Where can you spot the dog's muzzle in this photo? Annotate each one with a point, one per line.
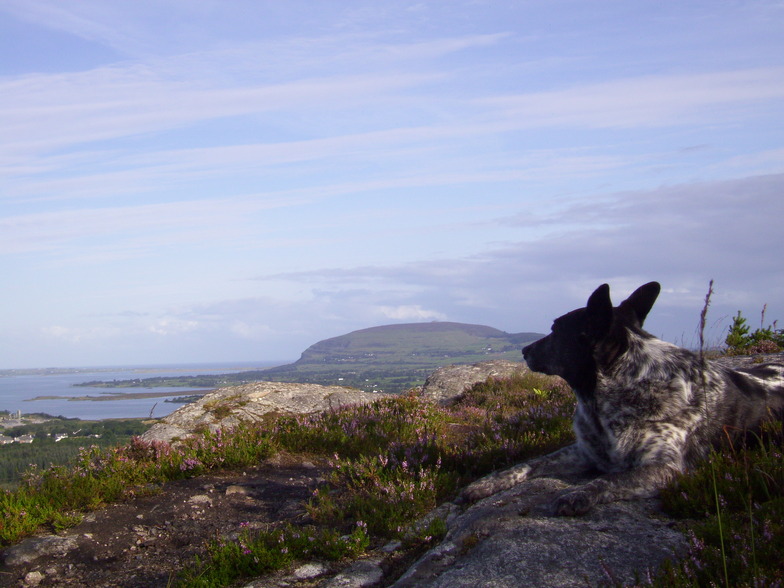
(532, 356)
(527, 354)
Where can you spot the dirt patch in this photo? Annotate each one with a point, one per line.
(145, 541)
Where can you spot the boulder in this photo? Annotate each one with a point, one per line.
(35, 547)
(228, 407)
(449, 382)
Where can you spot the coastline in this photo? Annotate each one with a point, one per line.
(123, 396)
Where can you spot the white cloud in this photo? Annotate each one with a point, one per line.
(251, 331)
(173, 326)
(410, 312)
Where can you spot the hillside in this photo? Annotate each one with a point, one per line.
(392, 358)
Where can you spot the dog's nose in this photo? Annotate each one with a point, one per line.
(526, 350)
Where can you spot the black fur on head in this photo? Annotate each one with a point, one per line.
(591, 338)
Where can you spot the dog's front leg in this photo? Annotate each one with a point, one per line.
(568, 460)
(642, 482)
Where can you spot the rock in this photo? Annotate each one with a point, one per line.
(33, 578)
(364, 572)
(511, 540)
(449, 382)
(310, 570)
(34, 547)
(746, 361)
(200, 499)
(228, 407)
(236, 489)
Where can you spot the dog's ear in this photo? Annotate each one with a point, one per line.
(639, 304)
(599, 312)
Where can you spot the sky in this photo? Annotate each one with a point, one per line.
(235, 180)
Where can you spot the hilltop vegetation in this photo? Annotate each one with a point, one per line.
(393, 461)
(392, 358)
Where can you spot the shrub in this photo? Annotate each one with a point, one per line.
(740, 341)
(415, 454)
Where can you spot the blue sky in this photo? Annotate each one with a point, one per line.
(236, 180)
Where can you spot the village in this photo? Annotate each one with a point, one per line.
(10, 420)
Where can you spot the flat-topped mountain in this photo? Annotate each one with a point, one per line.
(409, 343)
(394, 358)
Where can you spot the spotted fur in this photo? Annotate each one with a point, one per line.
(646, 409)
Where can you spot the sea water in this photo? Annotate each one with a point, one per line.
(19, 388)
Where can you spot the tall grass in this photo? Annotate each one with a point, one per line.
(734, 505)
(748, 484)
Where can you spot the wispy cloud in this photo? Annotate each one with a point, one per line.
(179, 177)
(682, 235)
(646, 101)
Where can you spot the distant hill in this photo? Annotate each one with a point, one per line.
(392, 358)
(411, 343)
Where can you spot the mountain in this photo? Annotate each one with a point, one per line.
(394, 358)
(391, 358)
(413, 343)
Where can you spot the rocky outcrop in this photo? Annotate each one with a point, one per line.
(512, 539)
(446, 383)
(227, 407)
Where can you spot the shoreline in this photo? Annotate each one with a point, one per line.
(123, 396)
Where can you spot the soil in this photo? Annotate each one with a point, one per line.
(145, 541)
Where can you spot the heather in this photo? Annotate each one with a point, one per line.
(393, 461)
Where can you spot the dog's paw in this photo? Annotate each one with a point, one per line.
(573, 503)
(495, 483)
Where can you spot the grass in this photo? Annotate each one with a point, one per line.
(396, 459)
(749, 484)
(254, 553)
(56, 497)
(734, 501)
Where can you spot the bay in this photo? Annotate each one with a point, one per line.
(18, 388)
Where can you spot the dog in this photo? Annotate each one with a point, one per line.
(647, 410)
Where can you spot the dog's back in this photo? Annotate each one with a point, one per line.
(750, 396)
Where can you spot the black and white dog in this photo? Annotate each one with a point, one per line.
(646, 409)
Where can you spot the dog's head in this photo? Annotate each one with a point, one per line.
(588, 338)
